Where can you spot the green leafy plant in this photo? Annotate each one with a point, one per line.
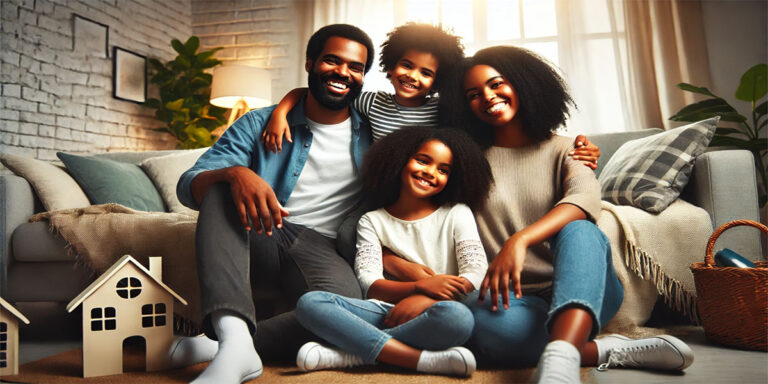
(185, 90)
(746, 133)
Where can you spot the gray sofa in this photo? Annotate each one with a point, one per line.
(40, 277)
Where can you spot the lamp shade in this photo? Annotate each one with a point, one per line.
(234, 82)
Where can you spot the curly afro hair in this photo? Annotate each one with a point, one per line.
(445, 47)
(541, 91)
(469, 181)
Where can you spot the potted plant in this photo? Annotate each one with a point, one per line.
(185, 90)
(746, 133)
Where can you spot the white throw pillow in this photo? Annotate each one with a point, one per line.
(54, 186)
(165, 172)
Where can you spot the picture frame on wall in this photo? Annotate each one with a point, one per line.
(90, 37)
(129, 75)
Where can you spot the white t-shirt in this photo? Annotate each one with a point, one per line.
(328, 188)
(445, 241)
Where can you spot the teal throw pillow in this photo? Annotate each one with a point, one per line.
(109, 181)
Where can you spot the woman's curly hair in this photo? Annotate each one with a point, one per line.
(445, 47)
(469, 180)
(542, 94)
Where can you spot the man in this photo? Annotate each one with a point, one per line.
(268, 218)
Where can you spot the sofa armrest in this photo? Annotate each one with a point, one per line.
(724, 183)
(17, 204)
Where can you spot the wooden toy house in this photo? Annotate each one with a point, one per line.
(9, 338)
(127, 300)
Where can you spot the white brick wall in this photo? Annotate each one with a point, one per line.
(54, 99)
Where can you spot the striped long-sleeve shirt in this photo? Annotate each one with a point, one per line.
(386, 116)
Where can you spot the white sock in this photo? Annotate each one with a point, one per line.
(457, 361)
(187, 351)
(560, 363)
(236, 360)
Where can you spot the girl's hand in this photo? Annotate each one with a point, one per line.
(407, 309)
(402, 269)
(273, 134)
(585, 151)
(503, 270)
(442, 287)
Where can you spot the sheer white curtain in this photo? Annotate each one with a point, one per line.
(621, 58)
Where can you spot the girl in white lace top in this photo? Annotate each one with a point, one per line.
(426, 182)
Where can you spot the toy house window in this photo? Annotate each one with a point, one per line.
(153, 315)
(3, 344)
(128, 287)
(103, 319)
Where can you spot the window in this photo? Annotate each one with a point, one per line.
(128, 287)
(3, 345)
(583, 38)
(103, 319)
(153, 315)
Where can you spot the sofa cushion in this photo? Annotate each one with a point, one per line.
(33, 242)
(108, 181)
(649, 173)
(46, 281)
(165, 172)
(53, 185)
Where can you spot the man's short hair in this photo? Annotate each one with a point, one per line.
(347, 31)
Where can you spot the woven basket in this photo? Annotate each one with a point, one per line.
(733, 302)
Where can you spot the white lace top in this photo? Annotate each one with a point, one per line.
(446, 241)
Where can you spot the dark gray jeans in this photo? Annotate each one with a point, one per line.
(233, 265)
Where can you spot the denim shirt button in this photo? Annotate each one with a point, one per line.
(306, 145)
(295, 173)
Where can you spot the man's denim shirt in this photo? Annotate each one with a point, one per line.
(241, 145)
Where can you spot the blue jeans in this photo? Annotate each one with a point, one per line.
(583, 277)
(357, 326)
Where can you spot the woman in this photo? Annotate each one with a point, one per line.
(550, 285)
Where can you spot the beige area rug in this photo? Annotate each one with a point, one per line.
(67, 367)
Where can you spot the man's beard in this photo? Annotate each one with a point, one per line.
(319, 90)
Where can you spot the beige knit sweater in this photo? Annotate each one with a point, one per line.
(529, 182)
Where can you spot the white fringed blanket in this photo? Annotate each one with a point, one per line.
(100, 234)
(652, 255)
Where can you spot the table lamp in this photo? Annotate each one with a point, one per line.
(240, 88)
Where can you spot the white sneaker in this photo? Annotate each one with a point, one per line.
(661, 352)
(456, 361)
(314, 356)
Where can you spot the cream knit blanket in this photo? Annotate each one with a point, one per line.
(99, 235)
(652, 255)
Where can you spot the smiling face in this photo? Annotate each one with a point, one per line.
(490, 96)
(413, 77)
(336, 77)
(426, 173)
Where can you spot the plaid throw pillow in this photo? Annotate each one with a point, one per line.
(650, 173)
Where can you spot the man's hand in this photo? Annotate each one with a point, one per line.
(402, 269)
(505, 268)
(255, 199)
(442, 287)
(407, 309)
(585, 151)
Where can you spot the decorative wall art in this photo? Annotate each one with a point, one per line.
(90, 37)
(129, 78)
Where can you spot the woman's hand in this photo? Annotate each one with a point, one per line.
(407, 309)
(442, 287)
(503, 270)
(585, 151)
(402, 269)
